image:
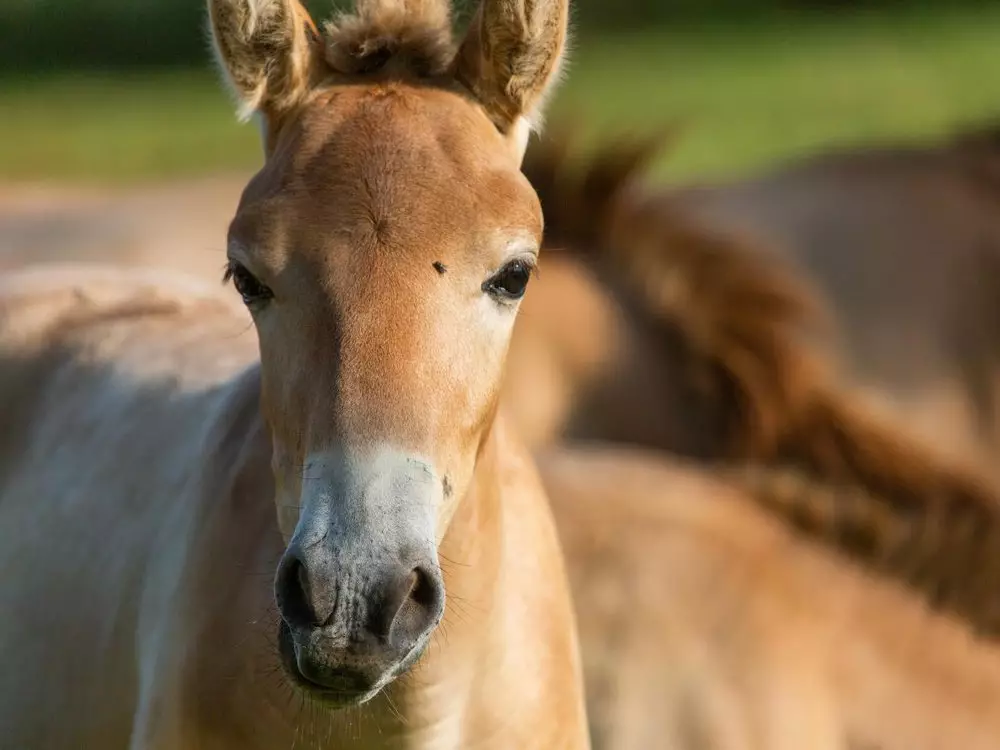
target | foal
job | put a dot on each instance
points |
(382, 251)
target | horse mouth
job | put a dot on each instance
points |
(341, 692)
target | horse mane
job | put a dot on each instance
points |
(947, 552)
(893, 505)
(738, 309)
(411, 35)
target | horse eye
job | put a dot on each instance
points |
(510, 281)
(253, 292)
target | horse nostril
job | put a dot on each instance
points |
(293, 593)
(415, 609)
(424, 591)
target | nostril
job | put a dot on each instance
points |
(423, 590)
(303, 579)
(293, 594)
(414, 610)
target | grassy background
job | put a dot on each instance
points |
(749, 92)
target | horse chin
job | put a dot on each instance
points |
(331, 697)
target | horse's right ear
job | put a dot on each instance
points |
(268, 50)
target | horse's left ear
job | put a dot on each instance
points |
(269, 50)
(511, 56)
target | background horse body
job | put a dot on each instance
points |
(896, 250)
(707, 624)
(903, 247)
(727, 330)
(122, 456)
(696, 342)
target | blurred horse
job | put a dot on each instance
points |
(874, 602)
(715, 345)
(707, 624)
(896, 252)
(903, 245)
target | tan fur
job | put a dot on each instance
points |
(306, 515)
(509, 60)
(706, 623)
(135, 448)
(740, 320)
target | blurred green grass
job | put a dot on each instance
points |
(747, 95)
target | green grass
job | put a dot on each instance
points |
(120, 128)
(747, 95)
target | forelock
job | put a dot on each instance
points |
(407, 36)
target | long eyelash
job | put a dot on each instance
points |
(531, 265)
(227, 274)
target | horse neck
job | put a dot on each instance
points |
(509, 615)
(502, 565)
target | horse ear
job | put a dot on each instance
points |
(511, 56)
(268, 50)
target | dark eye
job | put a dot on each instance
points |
(250, 289)
(510, 281)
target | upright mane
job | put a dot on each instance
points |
(890, 503)
(411, 35)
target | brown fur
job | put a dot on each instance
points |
(902, 244)
(744, 317)
(978, 149)
(741, 316)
